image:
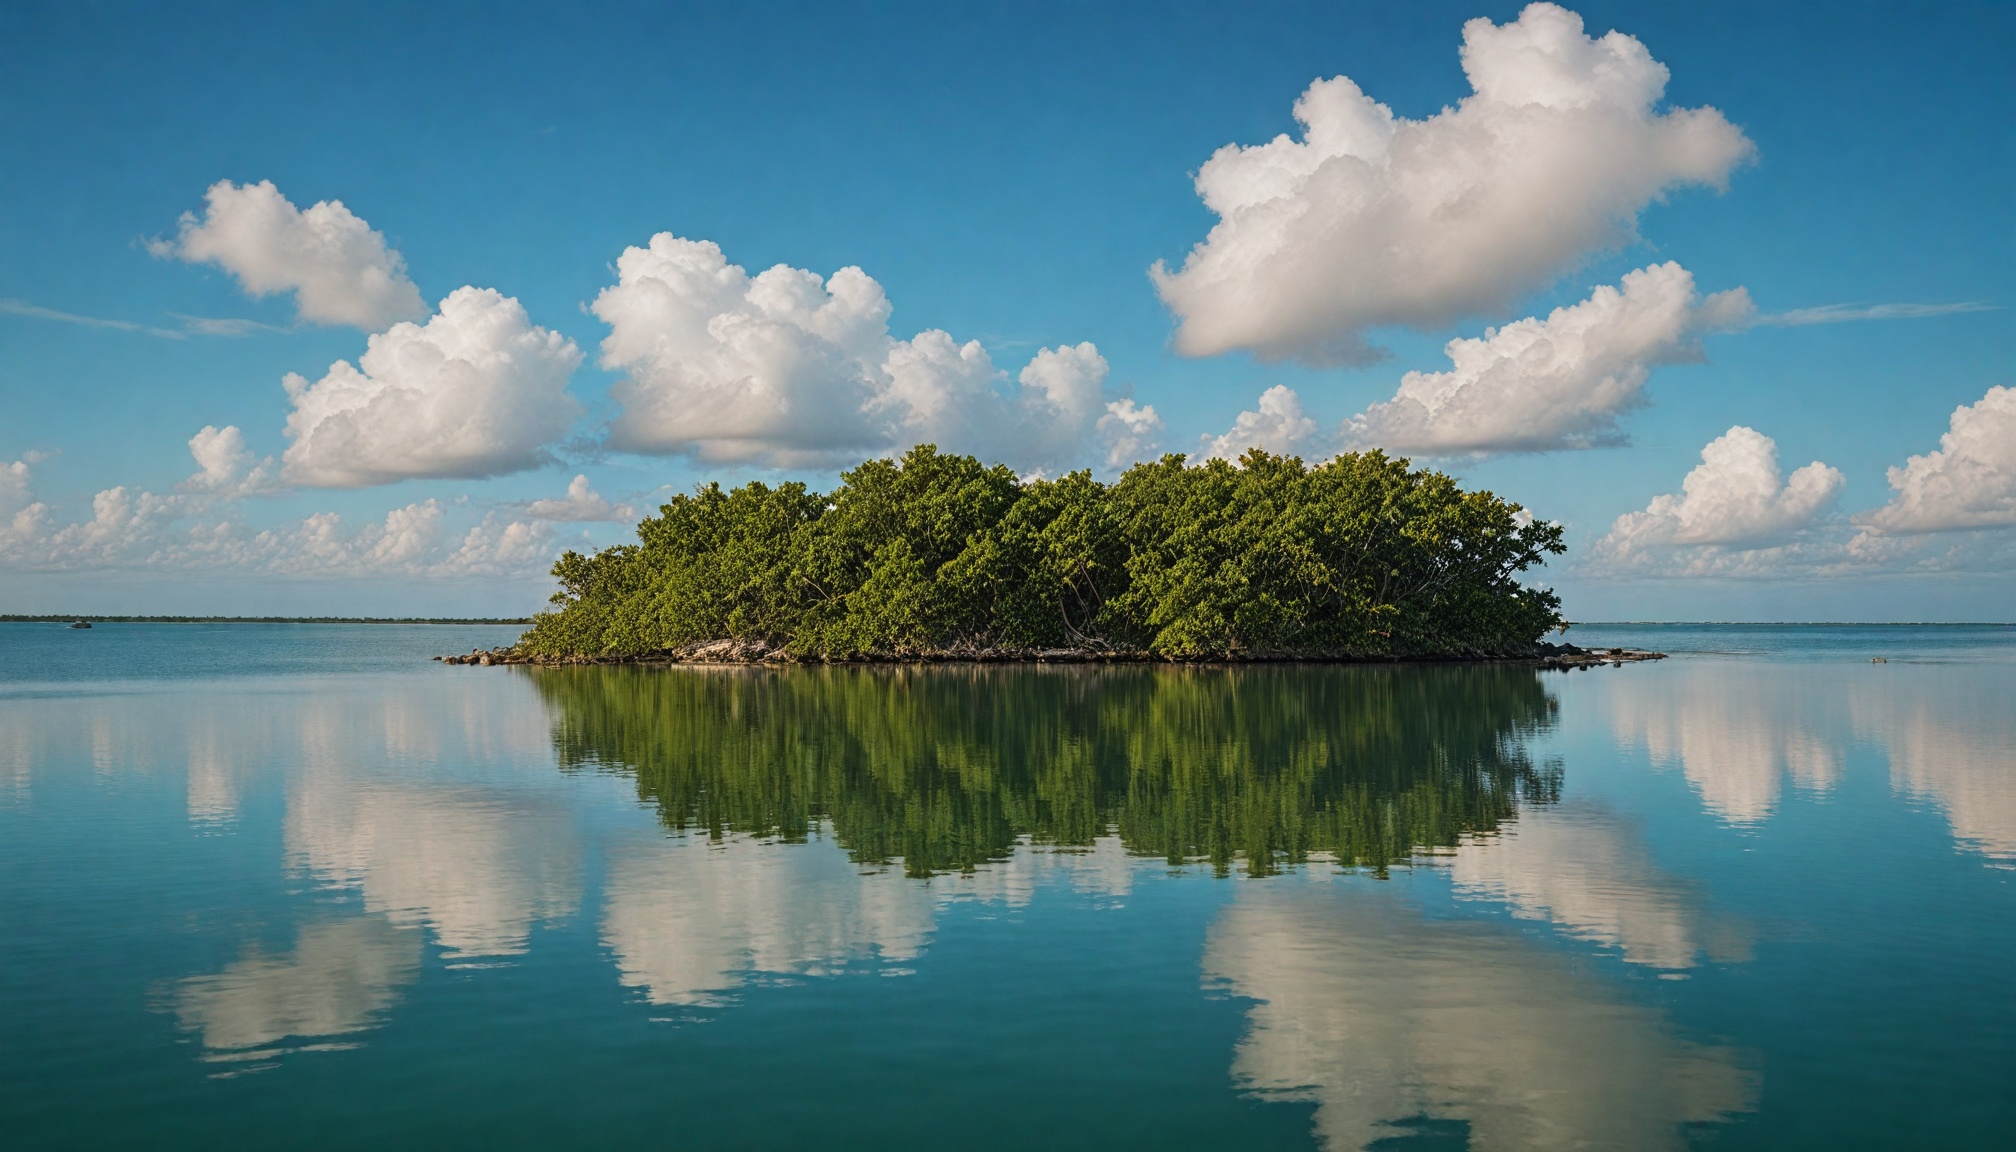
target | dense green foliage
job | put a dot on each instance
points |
(1360, 556)
(946, 768)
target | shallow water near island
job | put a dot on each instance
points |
(297, 886)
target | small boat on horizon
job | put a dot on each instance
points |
(81, 624)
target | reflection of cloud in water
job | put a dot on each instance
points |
(1734, 730)
(1586, 870)
(481, 851)
(17, 757)
(339, 979)
(221, 740)
(1951, 737)
(229, 738)
(479, 866)
(688, 919)
(1378, 1015)
(1103, 869)
(479, 855)
(224, 748)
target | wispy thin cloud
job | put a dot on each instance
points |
(191, 325)
(224, 325)
(36, 311)
(1849, 313)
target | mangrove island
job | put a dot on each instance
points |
(937, 556)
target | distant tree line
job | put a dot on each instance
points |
(1361, 556)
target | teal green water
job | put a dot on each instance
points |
(295, 886)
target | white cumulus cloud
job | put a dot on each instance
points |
(21, 515)
(1969, 482)
(478, 390)
(1279, 425)
(1372, 220)
(225, 465)
(340, 271)
(581, 505)
(1560, 383)
(1534, 385)
(1131, 432)
(500, 546)
(1734, 517)
(785, 368)
(1735, 499)
(201, 531)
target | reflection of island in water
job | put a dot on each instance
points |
(947, 769)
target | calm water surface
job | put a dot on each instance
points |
(296, 886)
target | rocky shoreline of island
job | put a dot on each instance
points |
(751, 653)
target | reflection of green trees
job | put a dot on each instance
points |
(944, 767)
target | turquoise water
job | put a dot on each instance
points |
(297, 886)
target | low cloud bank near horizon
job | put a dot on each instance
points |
(1952, 511)
(202, 528)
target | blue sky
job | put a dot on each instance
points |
(1007, 174)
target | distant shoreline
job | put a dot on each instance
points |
(1792, 624)
(501, 620)
(5, 619)
(756, 654)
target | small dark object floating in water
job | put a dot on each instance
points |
(1879, 660)
(81, 624)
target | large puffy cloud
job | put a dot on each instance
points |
(784, 368)
(1969, 482)
(1535, 385)
(1560, 383)
(1735, 498)
(1373, 220)
(478, 390)
(340, 271)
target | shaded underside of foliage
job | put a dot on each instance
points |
(947, 768)
(935, 554)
